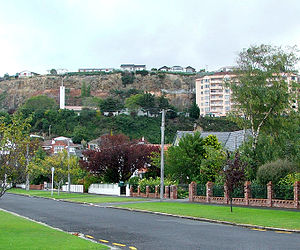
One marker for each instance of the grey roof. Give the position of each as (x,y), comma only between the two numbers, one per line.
(230,140)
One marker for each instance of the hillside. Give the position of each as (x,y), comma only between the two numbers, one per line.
(178,88)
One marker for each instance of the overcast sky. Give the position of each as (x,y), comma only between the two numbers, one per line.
(38,35)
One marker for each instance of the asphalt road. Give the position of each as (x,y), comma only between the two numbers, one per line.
(142,230)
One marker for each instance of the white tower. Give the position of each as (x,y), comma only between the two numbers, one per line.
(62,97)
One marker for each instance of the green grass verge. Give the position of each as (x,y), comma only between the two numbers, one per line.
(19,233)
(76,197)
(243,215)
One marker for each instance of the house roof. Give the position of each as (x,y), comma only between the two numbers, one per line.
(230,140)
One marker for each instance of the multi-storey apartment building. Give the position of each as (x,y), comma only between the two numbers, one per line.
(212,97)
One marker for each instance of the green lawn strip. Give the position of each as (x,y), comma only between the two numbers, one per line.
(242,215)
(103,199)
(19,233)
(41,193)
(76,197)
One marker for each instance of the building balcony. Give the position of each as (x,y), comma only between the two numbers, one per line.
(216,96)
(216,104)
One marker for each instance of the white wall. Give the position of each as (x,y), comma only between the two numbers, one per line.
(73,188)
(108,189)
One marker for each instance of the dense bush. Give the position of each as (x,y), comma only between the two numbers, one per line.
(276,170)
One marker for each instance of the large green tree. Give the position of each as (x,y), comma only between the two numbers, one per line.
(195,159)
(260,89)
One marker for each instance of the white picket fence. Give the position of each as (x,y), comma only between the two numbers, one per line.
(108,189)
(73,188)
(23,186)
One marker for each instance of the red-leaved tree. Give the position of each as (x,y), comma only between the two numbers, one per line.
(117,158)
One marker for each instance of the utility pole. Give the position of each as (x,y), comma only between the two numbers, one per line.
(69,177)
(162,170)
(27,166)
(52,180)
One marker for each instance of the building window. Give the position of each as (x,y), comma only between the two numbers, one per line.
(206,86)
(206,109)
(207,97)
(227,108)
(206,103)
(227,90)
(206,92)
(227,97)
(227,102)
(201,87)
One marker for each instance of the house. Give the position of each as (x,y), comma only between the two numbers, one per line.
(190,69)
(59,144)
(26,73)
(107,70)
(164,68)
(230,140)
(177,69)
(132,67)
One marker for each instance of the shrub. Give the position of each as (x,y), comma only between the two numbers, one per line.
(152,183)
(134,182)
(274,171)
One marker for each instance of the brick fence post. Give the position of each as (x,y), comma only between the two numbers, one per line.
(147,191)
(156,192)
(226,194)
(209,191)
(270,194)
(296,194)
(192,191)
(173,193)
(167,192)
(139,191)
(131,191)
(247,192)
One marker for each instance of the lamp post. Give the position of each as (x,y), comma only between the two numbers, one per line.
(162,154)
(69,177)
(52,180)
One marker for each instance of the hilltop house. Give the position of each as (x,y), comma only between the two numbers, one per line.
(26,73)
(132,67)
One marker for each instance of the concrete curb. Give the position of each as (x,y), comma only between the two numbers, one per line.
(173,215)
(210,220)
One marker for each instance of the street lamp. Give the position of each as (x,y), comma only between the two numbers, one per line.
(162,166)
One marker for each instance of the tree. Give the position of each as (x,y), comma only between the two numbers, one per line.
(111,105)
(62,165)
(39,103)
(147,102)
(195,159)
(133,103)
(53,72)
(234,173)
(127,77)
(260,90)
(14,137)
(118,158)
(194,111)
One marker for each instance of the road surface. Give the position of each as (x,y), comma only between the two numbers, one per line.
(143,230)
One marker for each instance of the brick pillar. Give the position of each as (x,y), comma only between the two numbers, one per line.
(173,193)
(147,191)
(209,191)
(192,191)
(226,194)
(247,192)
(167,192)
(131,190)
(156,192)
(139,191)
(296,194)
(270,194)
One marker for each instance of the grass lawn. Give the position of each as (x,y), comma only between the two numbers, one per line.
(19,233)
(76,197)
(252,216)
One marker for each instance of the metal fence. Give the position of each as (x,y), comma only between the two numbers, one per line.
(283,192)
(218,191)
(201,190)
(258,191)
(238,192)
